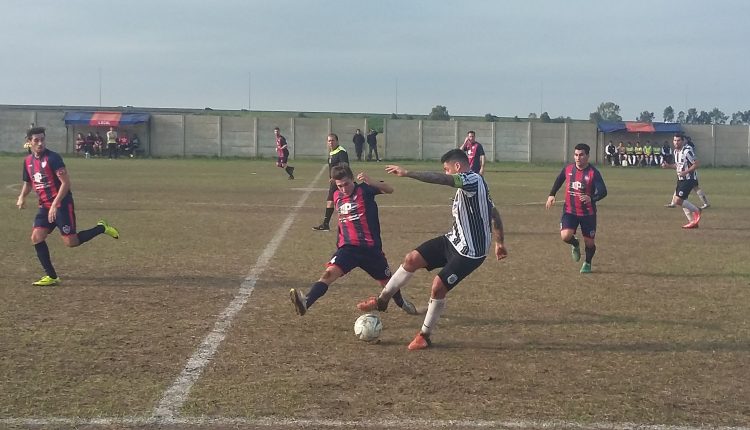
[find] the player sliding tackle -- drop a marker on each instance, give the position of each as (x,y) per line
(459,252)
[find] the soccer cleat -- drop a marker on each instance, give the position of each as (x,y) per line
(670,205)
(108,229)
(298,300)
(706,205)
(291,173)
(374,304)
(409,308)
(586,268)
(421,341)
(47,281)
(575,252)
(322,227)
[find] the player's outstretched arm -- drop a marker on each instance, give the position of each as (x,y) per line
(429,177)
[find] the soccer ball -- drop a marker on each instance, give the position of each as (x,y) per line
(368,327)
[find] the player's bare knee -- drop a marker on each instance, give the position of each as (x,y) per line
(438,290)
(413,261)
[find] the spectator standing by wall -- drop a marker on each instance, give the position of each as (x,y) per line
(475,151)
(359,143)
(372,143)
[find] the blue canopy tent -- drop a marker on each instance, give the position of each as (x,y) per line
(109,119)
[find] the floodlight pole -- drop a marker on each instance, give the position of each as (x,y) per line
(100,87)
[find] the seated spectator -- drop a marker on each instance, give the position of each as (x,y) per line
(98,144)
(80,144)
(123,143)
(134,147)
(90,142)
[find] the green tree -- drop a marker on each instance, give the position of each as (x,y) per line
(739,118)
(691,117)
(718,117)
(609,111)
(681,117)
(440,113)
(703,118)
(668,114)
(532,115)
(490,118)
(544,117)
(645,116)
(595,117)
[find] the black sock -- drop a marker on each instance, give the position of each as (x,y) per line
(89,234)
(289,170)
(329,214)
(573,241)
(42,251)
(317,291)
(590,253)
(398,299)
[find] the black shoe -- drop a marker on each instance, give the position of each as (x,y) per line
(322,227)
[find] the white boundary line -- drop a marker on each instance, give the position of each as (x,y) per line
(176,395)
(323,423)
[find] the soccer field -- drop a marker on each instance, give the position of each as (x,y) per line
(185,321)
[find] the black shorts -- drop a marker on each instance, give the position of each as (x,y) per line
(684,187)
(371,260)
(331,189)
(65,219)
(439,252)
(572,221)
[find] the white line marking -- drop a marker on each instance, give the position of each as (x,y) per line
(363,424)
(176,395)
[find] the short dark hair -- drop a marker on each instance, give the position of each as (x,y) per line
(583,147)
(35,130)
(276,128)
(341,171)
(680,135)
(455,155)
(334,135)
(471,132)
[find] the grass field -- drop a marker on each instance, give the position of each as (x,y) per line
(185,321)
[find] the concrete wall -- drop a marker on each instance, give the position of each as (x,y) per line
(191,134)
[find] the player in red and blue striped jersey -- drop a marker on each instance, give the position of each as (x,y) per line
(44,171)
(584,186)
(359,243)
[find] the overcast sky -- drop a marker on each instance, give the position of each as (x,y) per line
(474,57)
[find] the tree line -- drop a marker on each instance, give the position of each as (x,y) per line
(610,111)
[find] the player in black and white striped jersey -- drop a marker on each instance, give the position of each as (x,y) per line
(698,190)
(476,222)
(686,165)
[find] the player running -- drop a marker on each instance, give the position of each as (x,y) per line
(45,172)
(584,187)
(359,243)
(686,165)
(282,152)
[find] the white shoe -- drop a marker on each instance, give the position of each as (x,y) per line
(705,205)
(409,308)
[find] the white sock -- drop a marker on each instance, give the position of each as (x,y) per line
(702,196)
(686,205)
(688,214)
(398,280)
(434,309)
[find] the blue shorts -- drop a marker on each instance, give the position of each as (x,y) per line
(587,223)
(371,260)
(65,220)
(439,252)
